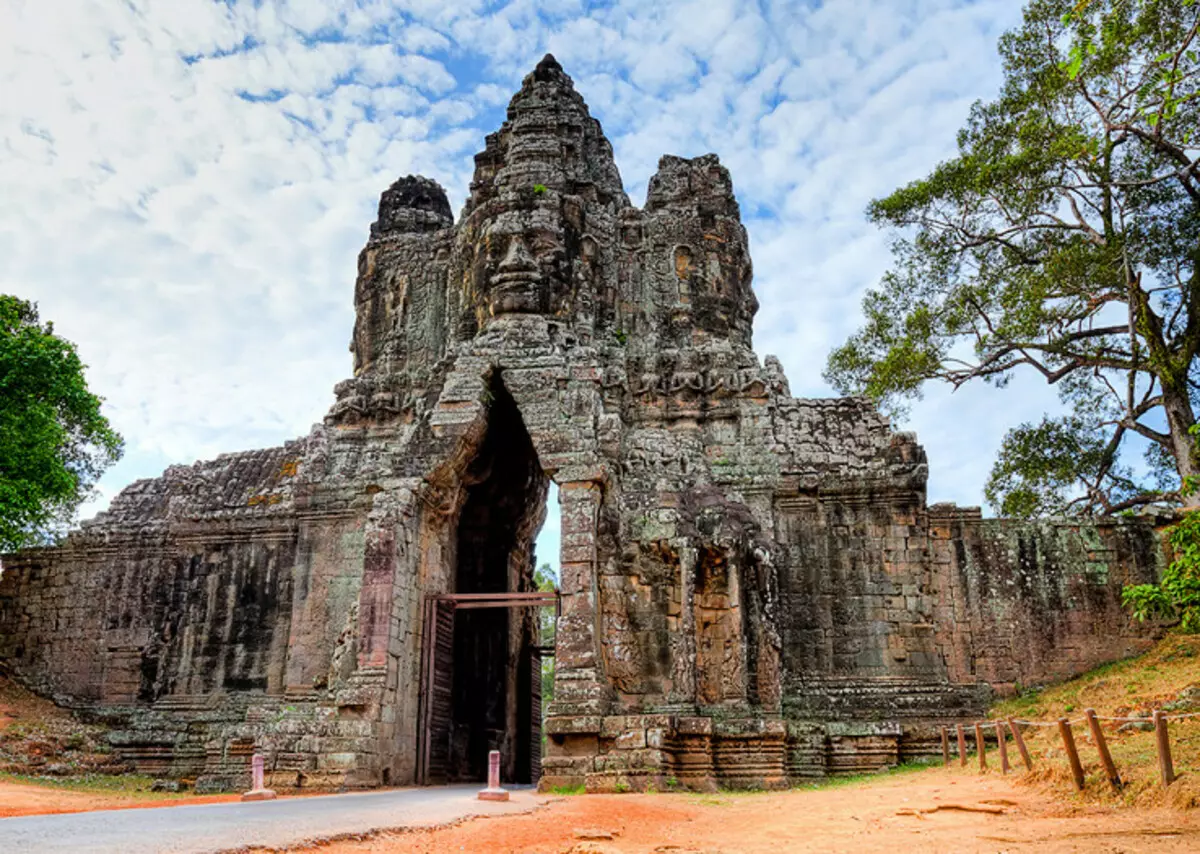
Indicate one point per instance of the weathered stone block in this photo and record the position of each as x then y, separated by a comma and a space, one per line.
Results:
564, 725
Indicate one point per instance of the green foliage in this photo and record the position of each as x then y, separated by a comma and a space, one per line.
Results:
1037, 466
54, 443
568, 790
1178, 596
547, 582
1064, 239
539, 189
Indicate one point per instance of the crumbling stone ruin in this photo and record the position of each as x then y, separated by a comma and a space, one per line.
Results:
753, 588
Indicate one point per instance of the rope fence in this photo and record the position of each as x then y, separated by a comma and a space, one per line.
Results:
1158, 721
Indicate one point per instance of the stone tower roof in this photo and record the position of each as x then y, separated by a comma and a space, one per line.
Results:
550, 140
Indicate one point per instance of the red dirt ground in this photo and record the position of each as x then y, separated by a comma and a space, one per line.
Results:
890, 815
28, 799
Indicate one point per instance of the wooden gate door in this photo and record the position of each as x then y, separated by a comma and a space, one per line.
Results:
437, 685
535, 714
435, 710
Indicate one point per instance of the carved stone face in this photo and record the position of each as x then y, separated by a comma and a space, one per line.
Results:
522, 264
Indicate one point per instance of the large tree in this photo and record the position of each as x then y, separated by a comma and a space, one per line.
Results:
1063, 239
54, 442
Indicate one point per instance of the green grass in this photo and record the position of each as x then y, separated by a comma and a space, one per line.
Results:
137, 785
1135, 683
568, 790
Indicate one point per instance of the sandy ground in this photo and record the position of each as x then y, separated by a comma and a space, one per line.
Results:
930, 811
898, 814
27, 799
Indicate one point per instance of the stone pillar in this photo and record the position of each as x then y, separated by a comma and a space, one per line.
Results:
683, 642
579, 684
580, 687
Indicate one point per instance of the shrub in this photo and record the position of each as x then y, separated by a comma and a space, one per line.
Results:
1177, 596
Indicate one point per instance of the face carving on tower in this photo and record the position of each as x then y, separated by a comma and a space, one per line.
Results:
522, 264
544, 203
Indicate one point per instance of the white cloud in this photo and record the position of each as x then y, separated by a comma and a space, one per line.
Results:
187, 184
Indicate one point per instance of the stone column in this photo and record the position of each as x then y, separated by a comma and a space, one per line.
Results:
579, 684
683, 643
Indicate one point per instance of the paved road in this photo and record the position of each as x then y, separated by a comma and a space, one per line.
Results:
218, 827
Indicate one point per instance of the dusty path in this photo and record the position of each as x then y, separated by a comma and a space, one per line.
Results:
192, 828
18, 799
888, 816
916, 812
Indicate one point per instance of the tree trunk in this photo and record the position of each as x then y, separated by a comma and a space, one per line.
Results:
1180, 419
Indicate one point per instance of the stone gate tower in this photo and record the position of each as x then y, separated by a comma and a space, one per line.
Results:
753, 587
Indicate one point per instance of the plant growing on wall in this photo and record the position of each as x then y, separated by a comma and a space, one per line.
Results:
54, 442
1063, 240
1177, 595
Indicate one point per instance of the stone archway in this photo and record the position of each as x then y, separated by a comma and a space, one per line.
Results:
481, 677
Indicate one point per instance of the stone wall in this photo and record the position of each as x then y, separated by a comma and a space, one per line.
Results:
895, 620
1024, 604
201, 616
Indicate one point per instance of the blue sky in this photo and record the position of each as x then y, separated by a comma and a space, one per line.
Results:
187, 183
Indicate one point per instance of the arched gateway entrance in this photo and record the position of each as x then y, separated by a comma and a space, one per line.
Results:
481, 650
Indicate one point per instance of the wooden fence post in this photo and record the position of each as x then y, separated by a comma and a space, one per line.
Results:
945, 747
1064, 729
1166, 768
962, 746
1003, 746
979, 746
1110, 768
1020, 740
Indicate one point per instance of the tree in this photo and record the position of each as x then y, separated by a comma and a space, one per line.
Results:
547, 582
1064, 239
54, 443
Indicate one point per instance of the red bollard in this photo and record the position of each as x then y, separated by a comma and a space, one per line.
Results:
493, 792
258, 790
256, 771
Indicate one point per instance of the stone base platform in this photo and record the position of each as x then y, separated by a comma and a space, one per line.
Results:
704, 754
259, 795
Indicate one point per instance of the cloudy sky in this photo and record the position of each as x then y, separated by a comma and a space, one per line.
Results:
186, 183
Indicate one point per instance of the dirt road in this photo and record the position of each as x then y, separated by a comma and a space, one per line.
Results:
283, 823
928, 811
903, 814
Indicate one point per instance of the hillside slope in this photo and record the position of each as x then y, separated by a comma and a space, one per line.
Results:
1166, 678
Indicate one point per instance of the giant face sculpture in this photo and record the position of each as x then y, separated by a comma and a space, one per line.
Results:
522, 261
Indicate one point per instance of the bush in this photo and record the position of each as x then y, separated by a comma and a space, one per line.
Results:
1178, 595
